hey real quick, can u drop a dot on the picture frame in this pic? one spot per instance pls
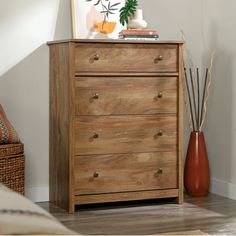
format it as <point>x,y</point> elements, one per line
<point>96,19</point>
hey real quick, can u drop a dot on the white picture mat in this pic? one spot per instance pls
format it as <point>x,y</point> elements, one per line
<point>79,11</point>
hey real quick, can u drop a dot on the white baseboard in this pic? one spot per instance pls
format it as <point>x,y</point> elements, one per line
<point>219,187</point>
<point>223,188</point>
<point>38,194</point>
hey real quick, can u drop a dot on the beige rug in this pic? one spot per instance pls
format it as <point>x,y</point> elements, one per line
<point>191,232</point>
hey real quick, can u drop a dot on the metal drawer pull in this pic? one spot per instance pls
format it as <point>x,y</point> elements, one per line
<point>160,95</point>
<point>158,172</point>
<point>158,134</point>
<point>159,58</point>
<point>96,57</point>
<point>95,175</point>
<point>95,135</point>
<point>95,96</point>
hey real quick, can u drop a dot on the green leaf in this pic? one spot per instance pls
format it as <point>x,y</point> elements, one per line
<point>128,10</point>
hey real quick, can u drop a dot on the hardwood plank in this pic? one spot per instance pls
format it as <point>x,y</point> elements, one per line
<point>125,172</point>
<point>125,134</point>
<point>119,96</point>
<point>91,57</point>
<point>213,214</point>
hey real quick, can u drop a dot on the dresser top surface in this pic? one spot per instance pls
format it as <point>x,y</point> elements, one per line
<point>116,41</point>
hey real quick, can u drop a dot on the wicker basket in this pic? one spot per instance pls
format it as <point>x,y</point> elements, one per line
<point>12,166</point>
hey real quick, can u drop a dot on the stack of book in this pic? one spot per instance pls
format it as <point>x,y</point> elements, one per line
<point>139,34</point>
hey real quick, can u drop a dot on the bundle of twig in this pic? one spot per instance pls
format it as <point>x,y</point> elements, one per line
<point>197,99</point>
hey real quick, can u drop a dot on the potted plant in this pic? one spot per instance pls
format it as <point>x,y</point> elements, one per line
<point>128,11</point>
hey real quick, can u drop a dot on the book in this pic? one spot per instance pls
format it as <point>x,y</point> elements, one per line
<point>139,32</point>
<point>144,39</point>
<point>140,37</point>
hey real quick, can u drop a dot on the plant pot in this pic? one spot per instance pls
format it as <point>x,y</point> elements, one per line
<point>137,22</point>
<point>196,170</point>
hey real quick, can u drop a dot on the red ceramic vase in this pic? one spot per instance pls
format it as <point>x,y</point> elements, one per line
<point>196,170</point>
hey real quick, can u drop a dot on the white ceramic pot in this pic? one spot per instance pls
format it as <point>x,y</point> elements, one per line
<point>137,21</point>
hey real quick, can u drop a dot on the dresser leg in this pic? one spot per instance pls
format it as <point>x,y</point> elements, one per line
<point>180,199</point>
<point>71,209</point>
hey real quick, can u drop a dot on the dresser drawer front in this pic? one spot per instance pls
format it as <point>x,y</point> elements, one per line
<point>123,134</point>
<point>91,57</point>
<point>125,172</point>
<point>125,95</point>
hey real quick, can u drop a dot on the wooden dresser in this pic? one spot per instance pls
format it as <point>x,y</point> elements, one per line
<point>116,114</point>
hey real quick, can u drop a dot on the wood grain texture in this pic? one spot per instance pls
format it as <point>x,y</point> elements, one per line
<point>71,144</point>
<point>180,126</point>
<point>126,196</point>
<point>125,95</point>
<point>125,57</point>
<point>125,134</point>
<point>59,130</point>
<point>213,214</point>
<point>127,74</point>
<point>127,119</point>
<point>125,172</point>
<point>112,41</point>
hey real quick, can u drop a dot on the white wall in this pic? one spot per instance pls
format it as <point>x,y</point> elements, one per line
<point>209,26</point>
<point>220,126</point>
<point>26,25</point>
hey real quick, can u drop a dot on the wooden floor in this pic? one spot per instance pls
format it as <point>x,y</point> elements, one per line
<point>212,214</point>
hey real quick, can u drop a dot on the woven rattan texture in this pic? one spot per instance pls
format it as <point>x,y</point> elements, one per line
<point>12,166</point>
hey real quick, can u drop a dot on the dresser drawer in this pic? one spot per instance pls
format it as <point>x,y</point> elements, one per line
<point>91,57</point>
<point>124,134</point>
<point>125,95</point>
<point>125,172</point>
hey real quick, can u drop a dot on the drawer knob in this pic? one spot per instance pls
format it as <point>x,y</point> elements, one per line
<point>159,172</point>
<point>95,96</point>
<point>95,175</point>
<point>158,134</point>
<point>160,95</point>
<point>96,57</point>
<point>95,135</point>
<point>159,58</point>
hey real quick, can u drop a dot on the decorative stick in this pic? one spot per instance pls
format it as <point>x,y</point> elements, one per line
<point>207,90</point>
<point>194,97</point>
<point>203,95</point>
<point>189,98</point>
<point>198,100</point>
<point>187,106</point>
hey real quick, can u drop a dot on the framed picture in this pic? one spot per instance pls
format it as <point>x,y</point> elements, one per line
<point>96,19</point>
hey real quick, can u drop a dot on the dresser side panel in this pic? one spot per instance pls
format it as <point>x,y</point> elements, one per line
<point>59,193</point>
<point>180,124</point>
